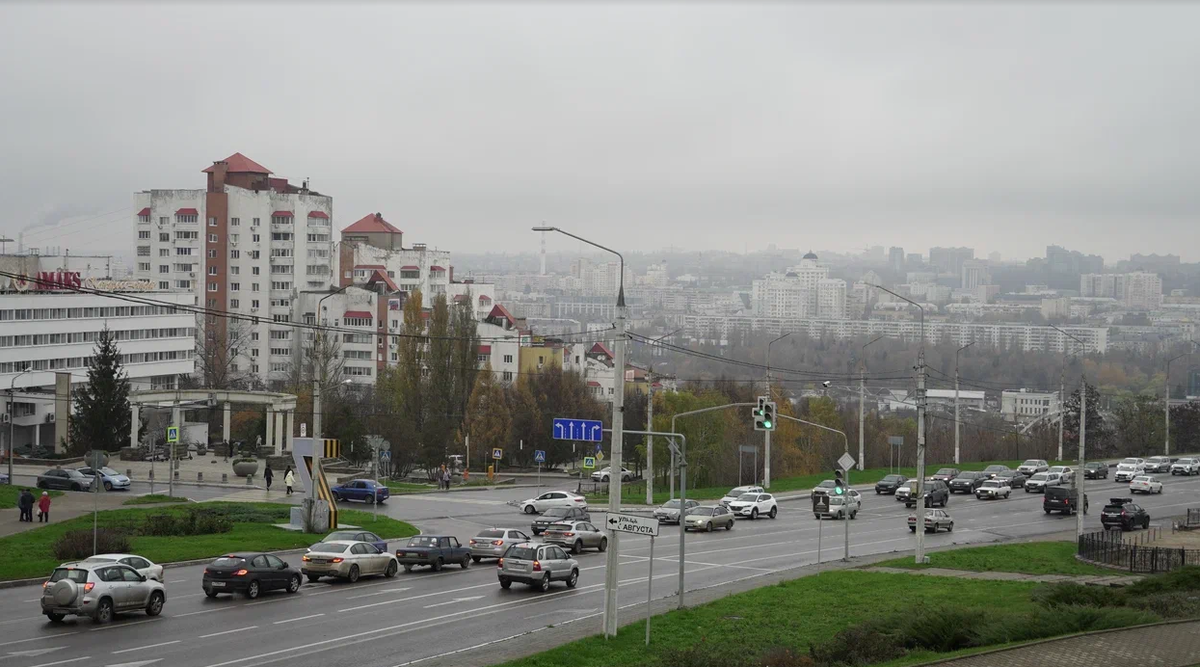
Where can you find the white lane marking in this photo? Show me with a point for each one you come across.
(302, 618)
(125, 625)
(63, 662)
(228, 632)
(36, 639)
(368, 595)
(206, 611)
(35, 652)
(454, 601)
(142, 648)
(28, 601)
(178, 581)
(139, 663)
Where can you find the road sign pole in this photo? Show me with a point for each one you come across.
(820, 522)
(846, 518)
(649, 590)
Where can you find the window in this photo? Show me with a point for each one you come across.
(255, 238)
(235, 254)
(235, 270)
(143, 251)
(281, 252)
(279, 303)
(212, 287)
(144, 234)
(254, 288)
(164, 268)
(481, 359)
(187, 218)
(212, 254)
(164, 284)
(279, 318)
(318, 238)
(254, 334)
(317, 270)
(410, 275)
(183, 252)
(212, 238)
(164, 237)
(357, 322)
(183, 284)
(184, 267)
(254, 254)
(234, 222)
(507, 376)
(143, 266)
(234, 303)
(144, 218)
(233, 238)
(162, 252)
(254, 270)
(508, 358)
(286, 334)
(212, 222)
(281, 351)
(281, 268)
(281, 286)
(281, 220)
(281, 236)
(186, 236)
(212, 270)
(235, 287)
(163, 220)
(254, 223)
(356, 371)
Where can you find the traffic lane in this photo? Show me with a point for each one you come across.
(136, 488)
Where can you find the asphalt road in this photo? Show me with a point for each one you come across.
(195, 492)
(394, 622)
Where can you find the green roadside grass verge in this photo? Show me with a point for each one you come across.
(10, 492)
(155, 499)
(399, 488)
(636, 495)
(1024, 558)
(253, 530)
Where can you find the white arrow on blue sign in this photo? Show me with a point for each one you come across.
(539, 456)
(587, 430)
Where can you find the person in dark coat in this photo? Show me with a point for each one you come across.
(268, 476)
(25, 503)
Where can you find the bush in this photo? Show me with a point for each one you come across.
(942, 629)
(1183, 579)
(190, 522)
(785, 657)
(1180, 604)
(704, 654)
(1062, 620)
(1071, 594)
(860, 644)
(77, 544)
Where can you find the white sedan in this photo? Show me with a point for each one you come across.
(1145, 484)
(552, 499)
(738, 492)
(754, 505)
(603, 475)
(143, 565)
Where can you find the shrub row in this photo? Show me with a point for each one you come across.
(77, 544)
(189, 522)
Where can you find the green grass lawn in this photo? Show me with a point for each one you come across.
(155, 499)
(398, 488)
(790, 614)
(9, 493)
(637, 495)
(37, 555)
(1028, 558)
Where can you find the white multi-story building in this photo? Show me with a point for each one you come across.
(974, 274)
(1026, 405)
(49, 329)
(1140, 290)
(831, 299)
(793, 293)
(247, 243)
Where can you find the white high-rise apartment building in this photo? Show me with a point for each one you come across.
(1140, 289)
(793, 293)
(974, 274)
(247, 243)
(831, 299)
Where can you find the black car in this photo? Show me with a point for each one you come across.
(558, 515)
(1063, 499)
(967, 482)
(936, 493)
(889, 484)
(993, 470)
(1095, 470)
(1124, 514)
(64, 478)
(945, 474)
(1013, 478)
(250, 574)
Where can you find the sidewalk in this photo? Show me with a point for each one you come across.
(1088, 580)
(1169, 645)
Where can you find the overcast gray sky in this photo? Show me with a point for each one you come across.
(703, 126)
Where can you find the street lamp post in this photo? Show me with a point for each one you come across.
(12, 418)
(767, 433)
(1076, 486)
(862, 403)
(846, 519)
(618, 432)
(1167, 400)
(920, 552)
(319, 375)
(957, 423)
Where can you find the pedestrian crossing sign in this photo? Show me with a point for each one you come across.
(172, 434)
(589, 462)
(497, 453)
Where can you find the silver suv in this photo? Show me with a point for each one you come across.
(537, 565)
(100, 590)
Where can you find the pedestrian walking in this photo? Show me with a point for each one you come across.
(268, 475)
(446, 478)
(289, 479)
(25, 504)
(44, 508)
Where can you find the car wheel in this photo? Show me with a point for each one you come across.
(437, 564)
(476, 558)
(708, 527)
(55, 618)
(577, 547)
(754, 514)
(104, 612)
(465, 562)
(76, 487)
(912, 529)
(337, 498)
(574, 579)
(293, 583)
(314, 578)
(774, 512)
(42, 485)
(354, 574)
(950, 528)
(210, 592)
(1045, 510)
(252, 590)
(391, 570)
(544, 584)
(505, 584)
(156, 604)
(1146, 523)
(817, 517)
(877, 492)
(853, 515)
(603, 544)
(530, 509)
(108, 486)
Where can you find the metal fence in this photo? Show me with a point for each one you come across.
(1133, 553)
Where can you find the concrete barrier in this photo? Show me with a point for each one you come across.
(199, 477)
(224, 478)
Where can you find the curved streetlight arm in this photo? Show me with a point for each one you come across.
(769, 358)
(914, 303)
(621, 279)
(826, 428)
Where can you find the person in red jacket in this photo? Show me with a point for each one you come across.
(44, 508)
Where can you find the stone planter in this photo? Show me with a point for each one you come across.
(245, 468)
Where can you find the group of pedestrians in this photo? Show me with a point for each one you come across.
(443, 478)
(289, 478)
(25, 503)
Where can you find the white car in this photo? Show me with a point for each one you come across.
(1066, 472)
(738, 492)
(753, 505)
(1186, 467)
(905, 490)
(992, 489)
(552, 499)
(1145, 484)
(1039, 482)
(841, 506)
(1129, 468)
(1032, 466)
(142, 565)
(603, 475)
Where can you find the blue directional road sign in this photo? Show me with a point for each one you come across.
(586, 430)
(539, 456)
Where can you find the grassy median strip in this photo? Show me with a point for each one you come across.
(1024, 558)
(9, 493)
(31, 553)
(155, 499)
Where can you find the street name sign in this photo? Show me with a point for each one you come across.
(628, 523)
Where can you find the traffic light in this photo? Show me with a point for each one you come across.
(769, 416)
(839, 483)
(759, 412)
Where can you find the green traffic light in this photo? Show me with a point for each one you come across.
(767, 423)
(837, 490)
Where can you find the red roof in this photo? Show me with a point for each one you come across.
(380, 275)
(593, 383)
(459, 298)
(599, 347)
(318, 214)
(500, 311)
(145, 211)
(485, 349)
(360, 314)
(436, 268)
(187, 211)
(283, 214)
(240, 164)
(372, 223)
(483, 298)
(410, 268)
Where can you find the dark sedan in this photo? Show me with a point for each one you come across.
(889, 484)
(557, 515)
(967, 482)
(993, 470)
(1013, 478)
(250, 574)
(945, 474)
(1095, 470)
(64, 478)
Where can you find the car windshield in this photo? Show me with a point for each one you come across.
(555, 511)
(109, 471)
(423, 541)
(229, 561)
(836, 500)
(325, 547)
(1141, 479)
(1032, 463)
(671, 505)
(490, 533)
(1130, 461)
(78, 576)
(992, 484)
(997, 468)
(701, 511)
(891, 478)
(827, 484)
(1186, 461)
(969, 475)
(946, 471)
(1040, 477)
(340, 535)
(521, 553)
(748, 496)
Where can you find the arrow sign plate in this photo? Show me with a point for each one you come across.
(628, 523)
(586, 430)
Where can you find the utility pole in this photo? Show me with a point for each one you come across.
(957, 421)
(862, 403)
(1167, 400)
(650, 441)
(767, 433)
(1079, 494)
(1062, 403)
